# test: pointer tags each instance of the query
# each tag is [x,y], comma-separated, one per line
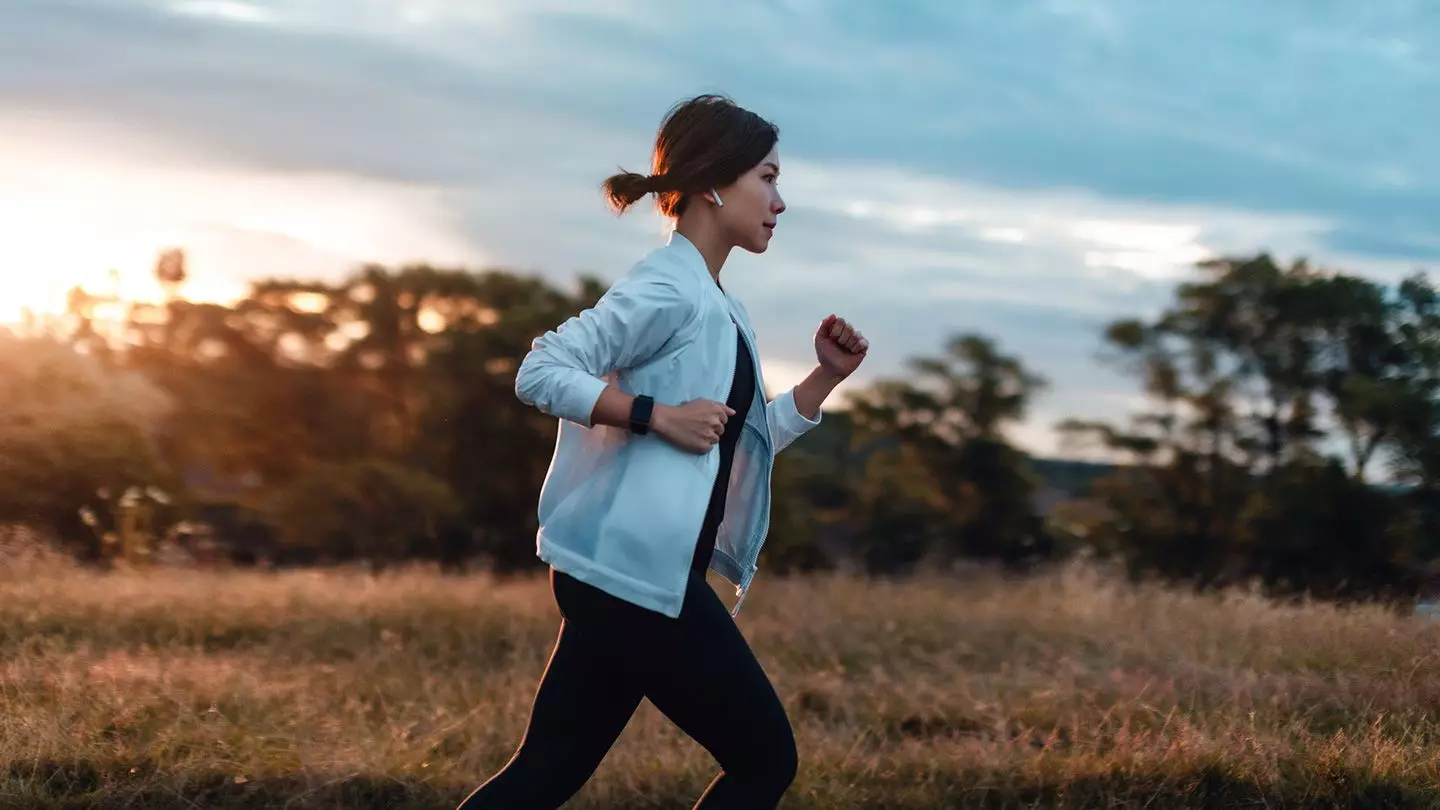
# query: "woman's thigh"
[709,683]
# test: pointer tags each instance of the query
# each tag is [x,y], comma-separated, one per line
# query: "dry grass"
[187,689]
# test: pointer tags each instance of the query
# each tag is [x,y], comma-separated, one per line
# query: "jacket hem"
[608,579]
[727,566]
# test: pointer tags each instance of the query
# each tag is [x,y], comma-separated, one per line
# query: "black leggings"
[697,669]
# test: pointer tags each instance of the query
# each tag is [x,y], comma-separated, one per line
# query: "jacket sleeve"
[786,422]
[561,374]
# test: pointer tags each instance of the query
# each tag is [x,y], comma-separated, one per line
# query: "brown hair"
[705,142]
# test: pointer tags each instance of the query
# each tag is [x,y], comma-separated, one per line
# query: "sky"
[1029,170]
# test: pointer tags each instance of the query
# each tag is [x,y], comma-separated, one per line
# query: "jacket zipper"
[757,539]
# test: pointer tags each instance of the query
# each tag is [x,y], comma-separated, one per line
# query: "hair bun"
[704,142]
[626,188]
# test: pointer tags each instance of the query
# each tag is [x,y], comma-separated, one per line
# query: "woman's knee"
[772,766]
[785,764]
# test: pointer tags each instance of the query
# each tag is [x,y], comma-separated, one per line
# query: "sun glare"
[42,261]
[83,203]
[44,256]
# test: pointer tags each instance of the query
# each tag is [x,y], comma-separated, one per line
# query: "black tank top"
[742,393]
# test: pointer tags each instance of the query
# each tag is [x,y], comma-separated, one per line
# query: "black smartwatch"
[640,411]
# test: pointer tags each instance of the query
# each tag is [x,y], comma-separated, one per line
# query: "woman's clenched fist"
[695,426]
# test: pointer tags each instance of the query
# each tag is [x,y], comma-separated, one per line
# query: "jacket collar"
[685,251]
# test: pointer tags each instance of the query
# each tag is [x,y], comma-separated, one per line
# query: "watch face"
[640,411]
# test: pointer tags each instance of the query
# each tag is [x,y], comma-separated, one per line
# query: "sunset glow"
[95,207]
[43,259]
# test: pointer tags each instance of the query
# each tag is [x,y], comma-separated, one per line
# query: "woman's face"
[751,205]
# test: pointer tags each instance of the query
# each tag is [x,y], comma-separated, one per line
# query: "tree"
[946,426]
[811,499]
[971,391]
[72,428]
[369,510]
[1258,373]
[1312,529]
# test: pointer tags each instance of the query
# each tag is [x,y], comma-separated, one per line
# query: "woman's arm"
[694,426]
[612,408]
[840,350]
[811,392]
[632,322]
[561,375]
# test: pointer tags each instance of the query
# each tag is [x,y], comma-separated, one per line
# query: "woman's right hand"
[695,426]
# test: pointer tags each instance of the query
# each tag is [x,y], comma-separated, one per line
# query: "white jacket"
[623,512]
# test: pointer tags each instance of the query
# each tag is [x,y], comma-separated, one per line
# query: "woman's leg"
[583,703]
[709,683]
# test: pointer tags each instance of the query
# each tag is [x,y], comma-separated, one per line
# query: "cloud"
[1127,99]
[1029,170]
[913,259]
[226,10]
[81,200]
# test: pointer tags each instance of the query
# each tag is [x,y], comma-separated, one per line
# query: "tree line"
[374,420]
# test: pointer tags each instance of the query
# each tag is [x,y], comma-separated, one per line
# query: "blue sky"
[1030,170]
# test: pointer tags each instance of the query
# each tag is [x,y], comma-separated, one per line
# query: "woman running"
[661,472]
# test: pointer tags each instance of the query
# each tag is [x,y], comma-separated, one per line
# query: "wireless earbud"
[719,203]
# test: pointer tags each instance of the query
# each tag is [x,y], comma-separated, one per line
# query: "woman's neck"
[705,234]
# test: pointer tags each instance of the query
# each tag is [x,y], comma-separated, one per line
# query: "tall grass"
[183,689]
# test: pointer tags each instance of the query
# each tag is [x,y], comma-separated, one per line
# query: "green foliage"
[370,510]
[811,501]
[901,512]
[1275,390]
[72,427]
[970,391]
[944,484]
[374,418]
[1312,529]
[413,367]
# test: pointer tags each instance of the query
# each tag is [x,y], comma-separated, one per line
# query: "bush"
[369,510]
[71,426]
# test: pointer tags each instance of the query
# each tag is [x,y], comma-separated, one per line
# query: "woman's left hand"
[839,347]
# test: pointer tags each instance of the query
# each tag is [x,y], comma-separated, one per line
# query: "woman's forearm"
[811,392]
[612,408]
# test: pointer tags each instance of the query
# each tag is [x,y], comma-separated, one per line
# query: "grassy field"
[182,690]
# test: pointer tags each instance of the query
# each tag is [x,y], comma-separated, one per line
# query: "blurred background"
[1143,280]
[1134,501]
